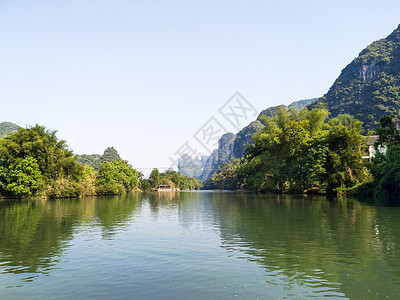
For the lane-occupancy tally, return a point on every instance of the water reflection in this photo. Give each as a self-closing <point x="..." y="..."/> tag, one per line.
<point x="337" y="248"/>
<point x="114" y="213"/>
<point x="34" y="234"/>
<point x="163" y="200"/>
<point x="299" y="246"/>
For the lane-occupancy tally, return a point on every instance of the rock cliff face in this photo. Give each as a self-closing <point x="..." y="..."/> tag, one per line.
<point x="223" y="154"/>
<point x="368" y="87"/>
<point x="244" y="138"/>
<point x="209" y="166"/>
<point x="191" y="167"/>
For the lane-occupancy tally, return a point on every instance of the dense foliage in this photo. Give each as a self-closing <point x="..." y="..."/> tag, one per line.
<point x="245" y="136"/>
<point x="20" y="179"/>
<point x="33" y="161"/>
<point x="116" y="178"/>
<point x="225" y="178"/>
<point x="385" y="166"/>
<point x="299" y="152"/>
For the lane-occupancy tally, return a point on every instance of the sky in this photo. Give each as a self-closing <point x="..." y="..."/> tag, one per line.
<point x="149" y="77"/>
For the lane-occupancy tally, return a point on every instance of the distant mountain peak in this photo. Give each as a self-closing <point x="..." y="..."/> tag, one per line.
<point x="369" y="86"/>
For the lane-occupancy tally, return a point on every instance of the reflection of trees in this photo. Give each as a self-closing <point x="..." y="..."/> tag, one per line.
<point x="331" y="245"/>
<point x="341" y="246"/>
<point x="164" y="200"/>
<point x="197" y="208"/>
<point x="114" y="212"/>
<point x="33" y="234"/>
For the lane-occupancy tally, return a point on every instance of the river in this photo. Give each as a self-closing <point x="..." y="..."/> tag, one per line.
<point x="199" y="245"/>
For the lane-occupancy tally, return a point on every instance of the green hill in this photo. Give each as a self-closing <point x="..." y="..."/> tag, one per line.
<point x="244" y="136"/>
<point x="7" y="128"/>
<point x="95" y="160"/>
<point x="369" y="87"/>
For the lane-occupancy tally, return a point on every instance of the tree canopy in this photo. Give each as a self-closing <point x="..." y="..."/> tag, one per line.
<point x="300" y="151"/>
<point x="385" y="166"/>
<point x="33" y="161"/>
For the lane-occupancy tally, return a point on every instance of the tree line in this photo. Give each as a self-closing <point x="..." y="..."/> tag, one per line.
<point x="35" y="163"/>
<point x="305" y="152"/>
<point x="172" y="178"/>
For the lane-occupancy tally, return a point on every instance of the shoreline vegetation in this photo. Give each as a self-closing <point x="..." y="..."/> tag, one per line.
<point x="305" y="152"/>
<point x="297" y="152"/>
<point x="35" y="163"/>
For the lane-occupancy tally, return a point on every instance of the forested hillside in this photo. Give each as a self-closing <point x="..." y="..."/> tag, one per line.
<point x="7" y="127"/>
<point x="95" y="160"/>
<point x="369" y="87"/>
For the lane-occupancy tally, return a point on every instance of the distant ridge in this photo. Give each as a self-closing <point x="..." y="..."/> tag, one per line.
<point x="95" y="160"/>
<point x="7" y="128"/>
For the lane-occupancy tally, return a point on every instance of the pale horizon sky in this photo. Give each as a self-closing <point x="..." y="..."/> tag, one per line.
<point x="145" y="76"/>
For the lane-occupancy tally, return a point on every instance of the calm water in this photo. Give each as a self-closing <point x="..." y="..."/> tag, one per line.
<point x="199" y="245"/>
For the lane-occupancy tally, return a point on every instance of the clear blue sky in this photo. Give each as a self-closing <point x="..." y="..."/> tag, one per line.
<point x="144" y="76"/>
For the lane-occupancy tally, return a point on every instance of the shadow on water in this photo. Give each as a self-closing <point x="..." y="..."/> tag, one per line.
<point x="381" y="201"/>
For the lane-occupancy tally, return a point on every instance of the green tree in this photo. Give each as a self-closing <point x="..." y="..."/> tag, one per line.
<point x="226" y="177"/>
<point x="299" y="151"/>
<point x="387" y="131"/>
<point x="88" y="181"/>
<point x="344" y="163"/>
<point x="56" y="164"/>
<point x="38" y="143"/>
<point x="387" y="175"/>
<point x="145" y="184"/>
<point x="22" y="179"/>
<point x="385" y="166"/>
<point x="155" y="178"/>
<point x="116" y="177"/>
<point x="128" y="176"/>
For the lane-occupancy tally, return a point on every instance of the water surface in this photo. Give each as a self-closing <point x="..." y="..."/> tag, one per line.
<point x="199" y="245"/>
